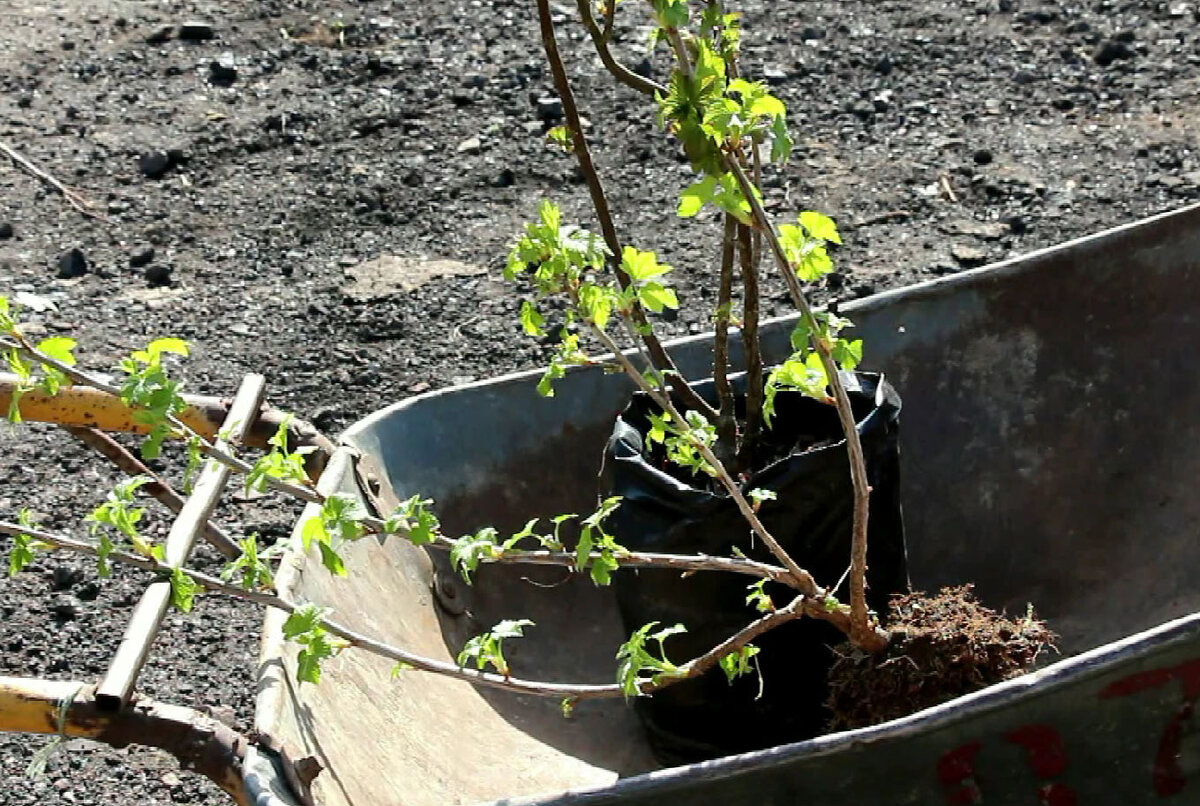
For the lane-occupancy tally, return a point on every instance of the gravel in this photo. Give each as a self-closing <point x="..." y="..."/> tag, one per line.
<point x="304" y="141"/>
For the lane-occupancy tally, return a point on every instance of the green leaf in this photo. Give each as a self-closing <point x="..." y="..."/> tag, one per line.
<point x="848" y="354"/>
<point x="655" y="298"/>
<point x="583" y="548"/>
<point x="468" y="551"/>
<point x="22" y="552"/>
<point x="637" y="665"/>
<point x="595" y="304"/>
<point x="183" y="590"/>
<point x="820" y="226"/>
<point x="488" y="648"/>
<point x="695" y="196"/>
<point x="332" y="560"/>
<point x="304" y="619"/>
<point x="413" y="518"/>
<point x="781" y="141"/>
<point x="758" y="598"/>
<point x="532" y="322"/>
<point x="737" y="663"/>
<point x="561" y="137"/>
<point x="758" y="495"/>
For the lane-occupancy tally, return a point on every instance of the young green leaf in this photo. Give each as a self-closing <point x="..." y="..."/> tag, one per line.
<point x="758" y="598"/>
<point x="303" y="627"/>
<point x="532" y="322"/>
<point x="637" y="665"/>
<point x="22" y="552"/>
<point x="183" y="590"/>
<point x="737" y="663"/>
<point x="488" y="649"/>
<point x="820" y="226"/>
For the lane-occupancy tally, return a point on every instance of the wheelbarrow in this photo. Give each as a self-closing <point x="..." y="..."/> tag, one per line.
<point x="1050" y="455"/>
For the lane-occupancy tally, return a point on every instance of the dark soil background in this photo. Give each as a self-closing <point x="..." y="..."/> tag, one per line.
<point x="247" y="165"/>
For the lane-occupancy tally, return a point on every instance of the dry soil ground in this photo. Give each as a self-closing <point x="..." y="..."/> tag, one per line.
<point x="243" y="174"/>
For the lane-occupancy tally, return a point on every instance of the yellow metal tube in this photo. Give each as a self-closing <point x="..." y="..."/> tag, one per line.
<point x="29" y="705"/>
<point x="82" y="406"/>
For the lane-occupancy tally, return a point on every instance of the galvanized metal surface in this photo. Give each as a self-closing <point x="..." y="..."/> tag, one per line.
<point x="1049" y="455"/>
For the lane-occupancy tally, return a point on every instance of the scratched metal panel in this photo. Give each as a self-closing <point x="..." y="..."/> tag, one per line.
<point x="1049" y="455"/>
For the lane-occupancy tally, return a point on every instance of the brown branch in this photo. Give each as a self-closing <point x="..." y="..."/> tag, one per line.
<point x="158" y="487"/>
<point x="863" y="633"/>
<point x="73" y="197"/>
<point x="726" y="418"/>
<point x="419" y="662"/>
<point x="750" y="340"/>
<point x="562" y="85"/>
<point x="601" y="38"/>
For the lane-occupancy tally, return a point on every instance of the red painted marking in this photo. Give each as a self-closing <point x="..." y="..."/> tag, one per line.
<point x="1043" y="749"/>
<point x="1057" y="795"/>
<point x="1169" y="778"/>
<point x="1168" y="775"/>
<point x="1187" y="673"/>
<point x="956" y="771"/>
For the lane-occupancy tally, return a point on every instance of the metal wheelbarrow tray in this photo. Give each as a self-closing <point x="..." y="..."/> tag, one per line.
<point x="1050" y="441"/>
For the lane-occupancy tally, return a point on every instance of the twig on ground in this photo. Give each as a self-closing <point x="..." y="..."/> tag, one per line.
<point x="73" y="197"/>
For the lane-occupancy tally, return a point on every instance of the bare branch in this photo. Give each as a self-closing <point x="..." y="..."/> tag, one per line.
<point x="158" y="487"/>
<point x="601" y="39"/>
<point x="690" y="669"/>
<point x="750" y="339"/>
<point x="863" y="634"/>
<point x="726" y="419"/>
<point x="583" y="155"/>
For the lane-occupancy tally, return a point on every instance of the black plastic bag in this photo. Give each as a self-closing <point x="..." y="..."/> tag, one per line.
<point x="812" y="518"/>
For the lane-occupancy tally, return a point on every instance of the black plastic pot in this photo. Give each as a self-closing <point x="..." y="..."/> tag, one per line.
<point x="812" y="517"/>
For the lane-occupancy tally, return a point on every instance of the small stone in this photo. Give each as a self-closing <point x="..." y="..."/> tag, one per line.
<point x="884" y="65"/>
<point x="223" y="70"/>
<point x="1111" y="50"/>
<point x="154" y="164"/>
<point x="549" y="108"/>
<point x="474" y="81"/>
<point x="983" y="157"/>
<point x="160" y="35"/>
<point x="863" y="109"/>
<point x="1017" y="224"/>
<point x="471" y="145"/>
<point x="506" y="178"/>
<point x="194" y="31"/>
<point x="326" y="419"/>
<point x="968" y="255"/>
<point x="157" y="275"/>
<point x="141" y="256"/>
<point x="6" y="230"/>
<point x="64" y="608"/>
<point x="71" y="264"/>
<point x="88" y="591"/>
<point x="1024" y="76"/>
<point x="64" y="577"/>
<point x="774" y="75"/>
<point x="1124" y="36"/>
<point x="811" y="33"/>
